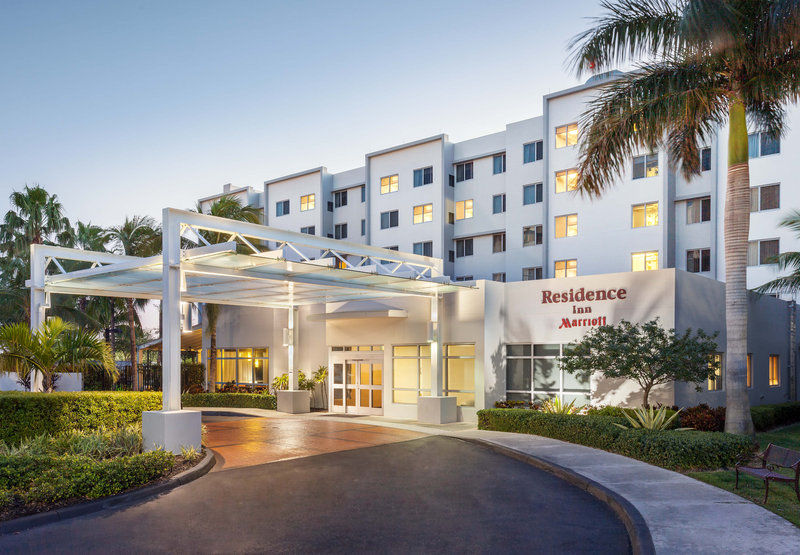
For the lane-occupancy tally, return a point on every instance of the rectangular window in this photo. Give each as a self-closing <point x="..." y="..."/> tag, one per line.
<point x="644" y="261"/>
<point x="340" y="231"/>
<point x="363" y="227"/>
<point x="423" y="213"/>
<point x="533" y="374"/>
<point x="499" y="242"/>
<point x="566" y="226"/>
<point x="451" y="217"/>
<point x="459" y="373"/>
<point x="532" y="152"/>
<point x="499" y="204"/>
<point x="531" y="194"/>
<point x="698" y="260"/>
<point x="281" y="208"/>
<point x="451" y="255"/>
<point x="389" y="219"/>
<point x="451" y="180"/>
<point x="705" y="159"/>
<point x="310" y="230"/>
<point x="463" y="209"/>
<point x="765" y="197"/>
<point x="242" y="366"/>
<point x="566" y="180"/>
<point x="762" y="252"/>
<point x="340" y="198"/>
<point x="423" y="176"/>
<point x="774" y="370"/>
<point x="463" y="247"/>
<point x="645" y="166"/>
<point x="532" y="235"/>
<point x="749" y="370"/>
<point x="698" y="210"/>
<point x="424" y="248"/>
<point x="499" y="276"/>
<point x="761" y="144"/>
<point x="715" y="382"/>
<point x="499" y="163"/>
<point x="566" y="268"/>
<point x="463" y="278"/>
<point x="330" y="206"/>
<point x="307" y="202"/>
<point x="566" y="135"/>
<point x="530" y="274"/>
<point x="645" y="215"/>
<point x="363" y="193"/>
<point x="463" y="171"/>
<point x="411" y="373"/>
<point x="389" y="184"/>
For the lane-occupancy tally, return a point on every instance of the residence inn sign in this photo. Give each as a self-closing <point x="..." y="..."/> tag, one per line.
<point x="584" y="303"/>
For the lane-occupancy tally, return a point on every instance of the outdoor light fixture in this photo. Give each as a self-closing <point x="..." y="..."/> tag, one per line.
<point x="288" y="336"/>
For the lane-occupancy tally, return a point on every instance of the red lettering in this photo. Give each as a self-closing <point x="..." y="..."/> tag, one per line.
<point x="565" y="323"/>
<point x="612" y="294"/>
<point x="590" y="295"/>
<point x="546" y="297"/>
<point x="622" y="294"/>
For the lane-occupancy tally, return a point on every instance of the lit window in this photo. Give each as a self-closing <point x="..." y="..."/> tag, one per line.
<point x="423" y="213"/>
<point x="463" y="247"/>
<point x="307" y="202"/>
<point x="499" y="204"/>
<point x="463" y="209"/>
<point x="645" y="166"/>
<point x="532" y="152"/>
<point x="244" y="366"/>
<point x="765" y="197"/>
<point x="531" y="194"/>
<point x="463" y="171"/>
<point x="499" y="163"/>
<point x="762" y="252"/>
<point x="423" y="176"/>
<point x="424" y="248"/>
<point x="698" y="260"/>
<point x="566" y="180"/>
<point x="529" y="274"/>
<point x="749" y="370"/>
<point x="644" y="261"/>
<point x="531" y="235"/>
<point x="459" y="373"/>
<point x="411" y="373"/>
<point x="566" y="268"/>
<point x="774" y="370"/>
<point x="645" y="215"/>
<point x="567" y="135"/>
<point x="340" y="231"/>
<point x="566" y="226"/>
<point x="389" y="184"/>
<point x="715" y="381"/>
<point x="499" y="242"/>
<point x="698" y="210"/>
<point x="340" y="198"/>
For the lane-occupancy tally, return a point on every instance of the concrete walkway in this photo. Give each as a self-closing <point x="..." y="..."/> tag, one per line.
<point x="683" y="514"/>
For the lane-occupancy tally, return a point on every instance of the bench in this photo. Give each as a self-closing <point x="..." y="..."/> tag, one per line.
<point x="773" y="458"/>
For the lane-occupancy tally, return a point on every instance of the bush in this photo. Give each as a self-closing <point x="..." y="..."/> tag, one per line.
<point x="771" y="416"/>
<point x="26" y="415"/>
<point x="703" y="418"/>
<point x="679" y="450"/>
<point x="233" y="400"/>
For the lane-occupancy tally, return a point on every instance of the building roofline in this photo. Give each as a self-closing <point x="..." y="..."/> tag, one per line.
<point x="224" y="194"/>
<point x="482" y="155"/>
<point x="589" y="84"/>
<point x="440" y="137"/>
<point x="319" y="169"/>
<point x="351" y="186"/>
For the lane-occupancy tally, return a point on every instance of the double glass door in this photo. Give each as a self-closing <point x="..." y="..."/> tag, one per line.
<point x="358" y="387"/>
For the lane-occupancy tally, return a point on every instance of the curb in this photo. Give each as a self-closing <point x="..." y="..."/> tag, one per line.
<point x="638" y="532"/>
<point x="225" y="413"/>
<point x="56" y="515"/>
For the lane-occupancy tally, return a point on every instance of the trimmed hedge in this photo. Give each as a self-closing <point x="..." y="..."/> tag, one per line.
<point x="24" y="415"/>
<point x="678" y="450"/>
<point x="770" y="416"/>
<point x="232" y="400"/>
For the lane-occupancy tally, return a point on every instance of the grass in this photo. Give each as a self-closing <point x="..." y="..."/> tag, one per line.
<point x="782" y="499"/>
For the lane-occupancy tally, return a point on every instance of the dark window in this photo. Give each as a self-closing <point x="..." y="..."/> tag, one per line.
<point x="768" y="250"/>
<point x="423" y="176"/>
<point x="463" y="278"/>
<point x="309" y="230"/>
<point x="451" y="218"/>
<point x="363" y="193"/>
<point x="389" y="219"/>
<point x="531" y="194"/>
<point x="698" y="260"/>
<point x="363" y="227"/>
<point x="451" y="256"/>
<point x="766" y="197"/>
<point x="281" y="208"/>
<point x="499" y="242"/>
<point x="770" y="145"/>
<point x="705" y="159"/>
<point x="499" y="276"/>
<point x="499" y="163"/>
<point x="340" y="231"/>
<point x="645" y="166"/>
<point x="463" y="247"/>
<point x="698" y="210"/>
<point x="330" y="206"/>
<point x="529" y="274"/>
<point x="424" y="248"/>
<point x="463" y="171"/>
<point x="532" y="152"/>
<point x="452" y="180"/>
<point x="498" y="204"/>
<point x="340" y="198"/>
<point x="532" y="235"/>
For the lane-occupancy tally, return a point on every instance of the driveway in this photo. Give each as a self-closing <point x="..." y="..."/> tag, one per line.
<point x="418" y="495"/>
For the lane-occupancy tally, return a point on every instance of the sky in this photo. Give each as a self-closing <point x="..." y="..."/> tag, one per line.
<point x="123" y="108"/>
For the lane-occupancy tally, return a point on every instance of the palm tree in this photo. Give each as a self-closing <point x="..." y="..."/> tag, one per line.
<point x="137" y="236"/>
<point x="57" y="346"/>
<point x="233" y="209"/>
<point x="789" y="283"/>
<point x="698" y="65"/>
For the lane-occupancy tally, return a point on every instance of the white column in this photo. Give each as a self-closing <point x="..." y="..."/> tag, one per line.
<point x="39" y="306"/>
<point x="294" y="375"/>
<point x="293" y="400"/>
<point x="171" y="313"/>
<point x="436" y="409"/>
<point x="437" y="377"/>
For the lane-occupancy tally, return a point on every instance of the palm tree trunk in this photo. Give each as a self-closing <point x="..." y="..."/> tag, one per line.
<point x="211" y="378"/>
<point x="132" y="331"/>
<point x="737" y="230"/>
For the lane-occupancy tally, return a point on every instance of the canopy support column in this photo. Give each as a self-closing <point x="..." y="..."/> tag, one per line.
<point x="436" y="409"/>
<point x="39" y="306"/>
<point x="294" y="400"/>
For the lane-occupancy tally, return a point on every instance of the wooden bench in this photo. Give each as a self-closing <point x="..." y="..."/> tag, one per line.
<point x="773" y="458"/>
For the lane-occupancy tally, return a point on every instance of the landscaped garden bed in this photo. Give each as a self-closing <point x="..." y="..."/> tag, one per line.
<point x="230" y="400"/>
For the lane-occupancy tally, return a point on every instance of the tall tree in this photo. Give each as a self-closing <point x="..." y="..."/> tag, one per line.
<point x="699" y="64"/>
<point x="233" y="209"/>
<point x="137" y="236"/>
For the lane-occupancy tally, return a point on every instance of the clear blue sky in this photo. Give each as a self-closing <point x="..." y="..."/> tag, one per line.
<point x="125" y="107"/>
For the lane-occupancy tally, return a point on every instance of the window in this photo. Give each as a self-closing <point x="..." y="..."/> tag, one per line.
<point x="532" y="152"/>
<point x="330" y="206"/>
<point x="463" y="247"/>
<point x="715" y="382"/>
<point x="566" y="135"/>
<point x="762" y="252"/>
<point x="463" y="278"/>
<point x="566" y="268"/>
<point x="566" y="180"/>
<point x="340" y="198"/>
<point x="533" y="374"/>
<point x="698" y="210"/>
<point x="363" y="193"/>
<point x="424" y="249"/>
<point x="281" y="208"/>
<point x="423" y="176"/>
<point x="451" y="180"/>
<point x="531" y="194"/>
<point x="307" y="202"/>
<point x="463" y="209"/>
<point x="698" y="260"/>
<point x="761" y="144"/>
<point x="498" y="203"/>
<point x="705" y="159"/>
<point x="308" y="230"/>
<point x="529" y="274"/>
<point x="498" y="163"/>
<point x="774" y="370"/>
<point x="463" y="171"/>
<point x="499" y="242"/>
<point x="451" y="255"/>
<point x="389" y="219"/>
<point x="459" y="373"/>
<point x="645" y="215"/>
<point x="765" y="197"/>
<point x="363" y="227"/>
<point x="531" y="235"/>
<point x="340" y="231"/>
<point x="499" y="276"/>
<point x="423" y="213"/>
<point x="645" y="166"/>
<point x="451" y="217"/>
<point x="389" y="184"/>
<point x="246" y="366"/>
<point x="644" y="261"/>
<point x="749" y="370"/>
<point x="411" y="373"/>
<point x="566" y="226"/>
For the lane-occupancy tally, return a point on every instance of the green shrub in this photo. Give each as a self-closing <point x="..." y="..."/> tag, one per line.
<point x="771" y="416"/>
<point x="233" y="400"/>
<point x="703" y="418"/>
<point x="26" y="415"/>
<point x="99" y="444"/>
<point x="670" y="449"/>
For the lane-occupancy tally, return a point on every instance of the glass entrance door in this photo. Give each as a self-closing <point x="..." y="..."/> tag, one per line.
<point x="358" y="387"/>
